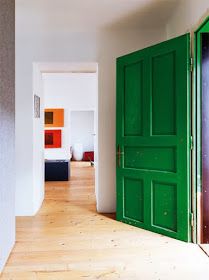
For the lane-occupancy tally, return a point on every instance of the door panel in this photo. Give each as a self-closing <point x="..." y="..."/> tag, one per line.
<point x="134" y="199"/>
<point x="133" y="85"/>
<point x="139" y="158"/>
<point x="153" y="138"/>
<point x="164" y="214"/>
<point x="163" y="95"/>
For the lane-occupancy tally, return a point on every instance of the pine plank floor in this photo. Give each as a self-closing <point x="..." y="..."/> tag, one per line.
<point x="205" y="248"/>
<point x="69" y="240"/>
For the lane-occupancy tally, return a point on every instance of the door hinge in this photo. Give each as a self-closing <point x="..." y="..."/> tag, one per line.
<point x="191" y="64"/>
<point x="191" y="143"/>
<point x="192" y="219"/>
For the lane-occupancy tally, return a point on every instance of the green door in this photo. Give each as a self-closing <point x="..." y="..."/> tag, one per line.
<point x="153" y="138"/>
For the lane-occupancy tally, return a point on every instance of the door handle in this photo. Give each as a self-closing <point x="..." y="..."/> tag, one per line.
<point x="119" y="154"/>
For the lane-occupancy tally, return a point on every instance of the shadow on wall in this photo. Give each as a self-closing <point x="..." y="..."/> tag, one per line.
<point x="157" y="11"/>
<point x="7" y="129"/>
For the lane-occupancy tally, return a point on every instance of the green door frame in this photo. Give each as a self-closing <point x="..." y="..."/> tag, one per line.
<point x="197" y="132"/>
<point x="195" y="139"/>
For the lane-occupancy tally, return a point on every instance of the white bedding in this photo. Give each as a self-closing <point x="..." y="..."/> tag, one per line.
<point x="57" y="154"/>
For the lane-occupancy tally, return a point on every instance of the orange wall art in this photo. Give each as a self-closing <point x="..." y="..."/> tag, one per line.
<point x="54" y="117"/>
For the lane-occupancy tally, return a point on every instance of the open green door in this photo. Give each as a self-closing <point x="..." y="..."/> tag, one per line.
<point x="153" y="138"/>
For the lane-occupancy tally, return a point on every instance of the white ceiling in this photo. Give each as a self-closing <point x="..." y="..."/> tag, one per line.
<point x="97" y="14"/>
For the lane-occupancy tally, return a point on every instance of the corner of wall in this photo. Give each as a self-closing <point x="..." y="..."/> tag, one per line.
<point x="7" y="129"/>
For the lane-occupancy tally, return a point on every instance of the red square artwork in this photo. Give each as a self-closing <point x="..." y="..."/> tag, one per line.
<point x="53" y="138"/>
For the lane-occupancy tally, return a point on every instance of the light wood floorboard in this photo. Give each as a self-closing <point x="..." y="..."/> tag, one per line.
<point x="69" y="240"/>
<point x="205" y="248"/>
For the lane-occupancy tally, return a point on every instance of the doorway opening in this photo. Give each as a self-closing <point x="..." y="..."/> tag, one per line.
<point x="68" y="128"/>
<point x="82" y="135"/>
<point x="202" y="133"/>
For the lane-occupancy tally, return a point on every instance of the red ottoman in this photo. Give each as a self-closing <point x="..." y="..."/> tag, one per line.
<point x="88" y="156"/>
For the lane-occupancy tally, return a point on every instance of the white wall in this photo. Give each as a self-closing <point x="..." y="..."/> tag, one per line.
<point x="76" y="91"/>
<point x="73" y="92"/>
<point x="38" y="144"/>
<point x="53" y="43"/>
<point x="187" y="16"/>
<point x="82" y="129"/>
<point x="7" y="129"/>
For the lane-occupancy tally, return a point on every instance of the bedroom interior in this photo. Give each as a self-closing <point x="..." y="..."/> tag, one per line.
<point x="70" y="104"/>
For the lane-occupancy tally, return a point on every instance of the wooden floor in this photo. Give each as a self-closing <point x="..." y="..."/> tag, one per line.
<point x="68" y="240"/>
<point x="205" y="248"/>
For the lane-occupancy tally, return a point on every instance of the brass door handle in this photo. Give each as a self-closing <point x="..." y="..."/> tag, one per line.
<point x="119" y="154"/>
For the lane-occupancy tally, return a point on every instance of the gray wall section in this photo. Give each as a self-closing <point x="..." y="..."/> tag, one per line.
<point x="7" y="129"/>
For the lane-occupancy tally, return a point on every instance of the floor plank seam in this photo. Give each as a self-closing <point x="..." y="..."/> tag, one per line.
<point x="206" y="253"/>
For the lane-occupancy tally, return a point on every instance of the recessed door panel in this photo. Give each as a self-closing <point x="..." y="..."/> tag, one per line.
<point x="153" y="138"/>
<point x="164" y="205"/>
<point x="149" y="158"/>
<point x="163" y="94"/>
<point x="133" y="94"/>
<point x="134" y="199"/>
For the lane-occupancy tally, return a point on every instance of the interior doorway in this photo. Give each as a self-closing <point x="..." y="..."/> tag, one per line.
<point x="197" y="136"/>
<point x="82" y="133"/>
<point x="202" y="148"/>
<point x="66" y="89"/>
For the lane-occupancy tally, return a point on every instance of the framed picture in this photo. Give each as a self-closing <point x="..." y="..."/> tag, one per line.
<point x="37" y="106"/>
<point x="54" y="117"/>
<point x="53" y="138"/>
